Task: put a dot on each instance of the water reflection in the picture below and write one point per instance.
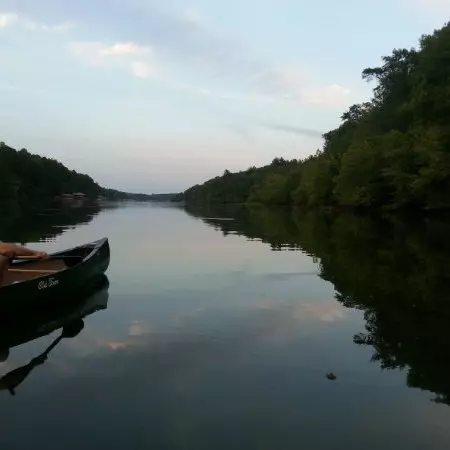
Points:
(26, 225)
(394, 270)
(219, 342)
(68, 317)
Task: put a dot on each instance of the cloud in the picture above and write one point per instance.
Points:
(120, 54)
(27, 89)
(193, 18)
(8, 19)
(296, 85)
(284, 85)
(284, 82)
(98, 53)
(333, 96)
(434, 5)
(125, 49)
(141, 69)
(35, 26)
(245, 125)
(292, 129)
(187, 40)
(91, 53)
(191, 89)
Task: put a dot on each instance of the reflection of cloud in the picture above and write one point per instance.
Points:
(116, 345)
(138, 328)
(205, 337)
(323, 310)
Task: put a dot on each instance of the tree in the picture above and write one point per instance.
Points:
(390, 152)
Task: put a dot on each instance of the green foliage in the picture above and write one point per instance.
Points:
(250, 185)
(8, 182)
(316, 182)
(391, 152)
(27, 178)
(273, 189)
(113, 194)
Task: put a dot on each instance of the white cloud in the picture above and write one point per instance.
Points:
(434, 5)
(98, 53)
(292, 84)
(125, 49)
(280, 82)
(333, 96)
(141, 69)
(28, 90)
(90, 53)
(9, 18)
(193, 19)
(200, 91)
(187, 39)
(36, 26)
(119, 54)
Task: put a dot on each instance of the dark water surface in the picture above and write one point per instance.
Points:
(217, 330)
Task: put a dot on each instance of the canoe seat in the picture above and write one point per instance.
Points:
(36, 269)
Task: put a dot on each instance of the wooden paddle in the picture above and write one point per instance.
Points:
(39, 258)
(34, 270)
(47, 258)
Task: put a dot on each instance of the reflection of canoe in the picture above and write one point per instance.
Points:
(23, 328)
(64, 274)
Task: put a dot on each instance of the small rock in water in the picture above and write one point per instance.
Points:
(331, 376)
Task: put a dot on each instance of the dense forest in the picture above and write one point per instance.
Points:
(26, 178)
(113, 194)
(393, 269)
(390, 152)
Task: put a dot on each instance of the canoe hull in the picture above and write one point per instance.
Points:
(69, 283)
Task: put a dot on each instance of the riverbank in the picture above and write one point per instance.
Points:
(389, 153)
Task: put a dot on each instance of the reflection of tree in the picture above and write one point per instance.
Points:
(419, 342)
(395, 271)
(19, 225)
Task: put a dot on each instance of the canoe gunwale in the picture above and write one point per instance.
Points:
(75, 277)
(83, 259)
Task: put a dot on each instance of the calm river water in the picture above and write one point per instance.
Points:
(218, 330)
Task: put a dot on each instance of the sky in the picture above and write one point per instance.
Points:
(150, 96)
